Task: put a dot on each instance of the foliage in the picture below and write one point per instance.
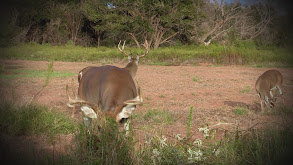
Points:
(163, 23)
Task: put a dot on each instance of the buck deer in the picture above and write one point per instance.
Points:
(109, 88)
(266, 84)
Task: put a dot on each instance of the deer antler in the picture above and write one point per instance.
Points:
(71, 102)
(147, 48)
(138, 100)
(122, 50)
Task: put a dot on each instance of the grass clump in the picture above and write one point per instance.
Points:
(240, 110)
(270, 146)
(33, 120)
(245, 90)
(195, 79)
(157, 116)
(103, 143)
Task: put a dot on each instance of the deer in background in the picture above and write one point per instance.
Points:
(110, 88)
(266, 84)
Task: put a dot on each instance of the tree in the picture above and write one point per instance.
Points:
(159, 21)
(222, 19)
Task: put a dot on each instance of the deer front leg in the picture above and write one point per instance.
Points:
(261, 104)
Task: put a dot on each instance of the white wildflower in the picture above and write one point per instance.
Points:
(205, 131)
(156, 155)
(163, 141)
(198, 142)
(178, 137)
(217, 152)
(194, 155)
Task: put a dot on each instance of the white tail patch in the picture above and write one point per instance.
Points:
(89, 112)
(126, 111)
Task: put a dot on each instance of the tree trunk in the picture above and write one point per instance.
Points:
(212, 31)
(99, 40)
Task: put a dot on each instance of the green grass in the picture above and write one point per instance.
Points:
(155, 116)
(195, 79)
(217, 54)
(188, 124)
(240, 110)
(270, 146)
(34, 120)
(26, 73)
(245, 90)
(103, 143)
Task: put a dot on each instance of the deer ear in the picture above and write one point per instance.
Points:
(129, 58)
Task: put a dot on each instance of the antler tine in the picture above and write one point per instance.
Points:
(136, 101)
(71, 101)
(122, 50)
(146, 46)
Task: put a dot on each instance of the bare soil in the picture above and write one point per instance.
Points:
(218, 91)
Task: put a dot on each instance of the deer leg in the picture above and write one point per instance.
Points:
(261, 105)
(73, 111)
(86, 121)
(280, 90)
(271, 93)
(268, 102)
(126, 127)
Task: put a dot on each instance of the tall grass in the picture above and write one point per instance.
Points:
(34, 120)
(237, 54)
(103, 143)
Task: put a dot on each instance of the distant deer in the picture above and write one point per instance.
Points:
(109, 88)
(266, 84)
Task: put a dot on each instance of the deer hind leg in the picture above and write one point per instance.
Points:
(268, 99)
(279, 88)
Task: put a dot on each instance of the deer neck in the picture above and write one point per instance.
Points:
(131, 68)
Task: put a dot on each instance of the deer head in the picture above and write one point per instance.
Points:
(132, 64)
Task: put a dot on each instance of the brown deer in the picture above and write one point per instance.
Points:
(266, 84)
(110, 88)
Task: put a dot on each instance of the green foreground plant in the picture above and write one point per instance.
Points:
(104, 143)
(34, 120)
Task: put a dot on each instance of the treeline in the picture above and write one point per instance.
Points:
(161, 22)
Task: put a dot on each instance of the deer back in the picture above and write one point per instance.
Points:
(107, 87)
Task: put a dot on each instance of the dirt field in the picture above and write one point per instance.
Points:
(214, 95)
